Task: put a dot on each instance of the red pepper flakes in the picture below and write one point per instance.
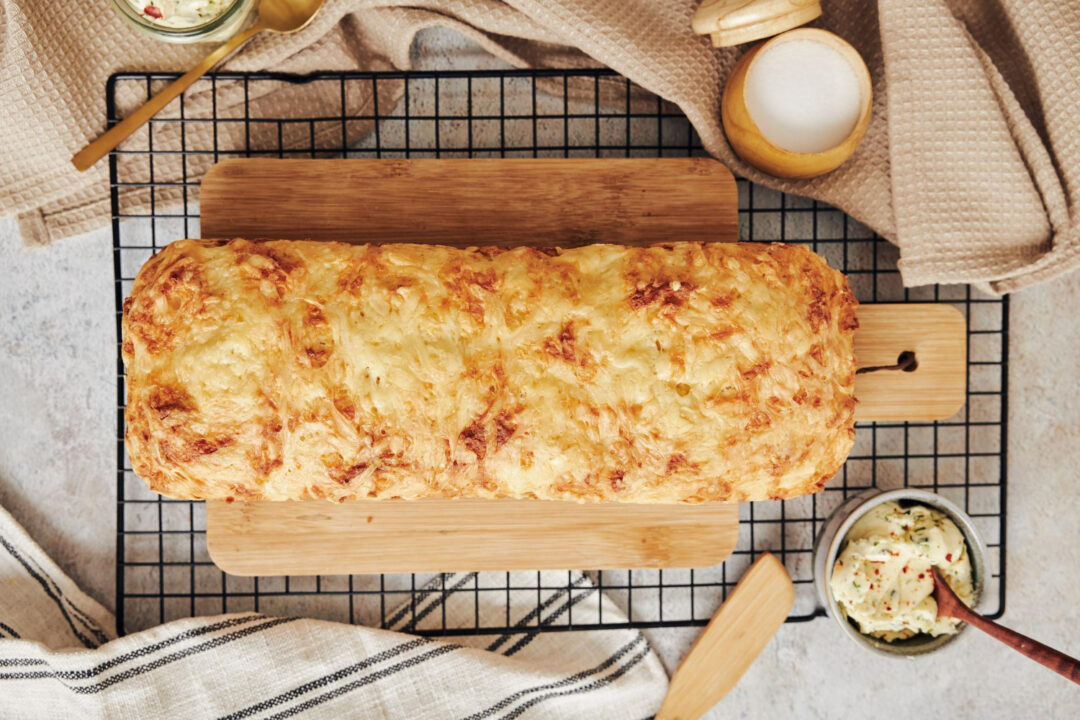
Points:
(921, 576)
(876, 571)
(905, 568)
(153, 12)
(948, 557)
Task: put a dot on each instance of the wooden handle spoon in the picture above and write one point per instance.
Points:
(280, 16)
(735, 636)
(948, 605)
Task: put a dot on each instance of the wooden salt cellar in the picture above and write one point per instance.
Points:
(733, 22)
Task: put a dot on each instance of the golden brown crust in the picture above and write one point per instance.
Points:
(686, 372)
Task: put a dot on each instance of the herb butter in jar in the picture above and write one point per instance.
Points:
(868, 559)
(186, 21)
(882, 577)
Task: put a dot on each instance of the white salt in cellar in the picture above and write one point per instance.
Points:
(798, 104)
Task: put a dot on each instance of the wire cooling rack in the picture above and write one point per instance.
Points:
(163, 570)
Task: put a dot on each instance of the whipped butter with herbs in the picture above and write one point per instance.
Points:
(882, 577)
(180, 13)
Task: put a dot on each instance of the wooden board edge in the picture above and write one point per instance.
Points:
(228, 558)
(951, 315)
(726, 195)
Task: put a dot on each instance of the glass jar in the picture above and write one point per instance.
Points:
(217, 29)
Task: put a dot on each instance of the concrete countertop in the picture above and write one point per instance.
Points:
(57, 477)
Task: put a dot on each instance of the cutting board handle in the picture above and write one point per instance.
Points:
(936, 387)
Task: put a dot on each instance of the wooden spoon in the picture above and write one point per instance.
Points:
(280, 16)
(737, 633)
(948, 605)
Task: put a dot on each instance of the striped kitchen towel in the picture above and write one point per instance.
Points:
(60, 658)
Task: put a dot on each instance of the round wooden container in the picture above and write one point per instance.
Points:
(747, 139)
(733, 22)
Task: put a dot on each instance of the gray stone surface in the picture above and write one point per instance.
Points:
(58, 455)
(58, 400)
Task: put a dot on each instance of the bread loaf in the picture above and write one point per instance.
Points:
(686, 372)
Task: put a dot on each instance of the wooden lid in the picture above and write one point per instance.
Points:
(732, 22)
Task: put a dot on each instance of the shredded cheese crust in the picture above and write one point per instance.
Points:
(686, 372)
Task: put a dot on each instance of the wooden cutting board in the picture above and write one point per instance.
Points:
(522, 201)
(472, 201)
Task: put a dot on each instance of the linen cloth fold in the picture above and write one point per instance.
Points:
(60, 658)
(970, 163)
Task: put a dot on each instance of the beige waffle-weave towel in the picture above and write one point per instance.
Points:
(971, 163)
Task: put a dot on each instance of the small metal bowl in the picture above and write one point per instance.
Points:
(833, 537)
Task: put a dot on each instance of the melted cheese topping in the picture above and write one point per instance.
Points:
(882, 578)
(295, 369)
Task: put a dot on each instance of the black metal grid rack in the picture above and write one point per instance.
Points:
(163, 570)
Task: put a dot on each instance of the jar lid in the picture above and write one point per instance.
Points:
(732, 22)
